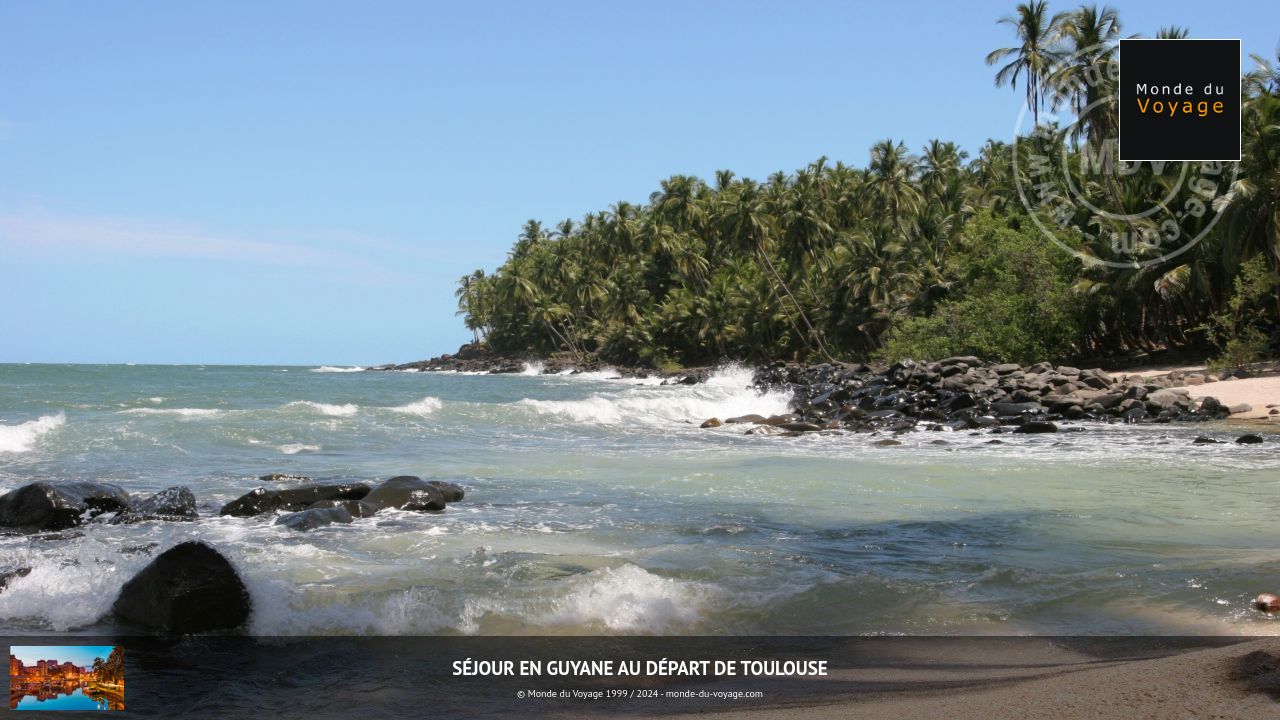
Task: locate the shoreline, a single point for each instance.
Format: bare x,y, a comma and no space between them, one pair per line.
958,393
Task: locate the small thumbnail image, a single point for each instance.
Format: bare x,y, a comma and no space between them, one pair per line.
66,677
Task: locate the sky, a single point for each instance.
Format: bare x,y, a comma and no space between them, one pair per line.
81,655
303,182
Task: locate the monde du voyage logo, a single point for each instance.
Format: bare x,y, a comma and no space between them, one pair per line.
1140,141
1179,100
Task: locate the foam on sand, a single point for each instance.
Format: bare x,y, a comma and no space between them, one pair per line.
21,437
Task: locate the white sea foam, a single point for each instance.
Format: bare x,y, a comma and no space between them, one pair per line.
326,408
21,437
629,599
332,369
295,448
728,392
533,367
156,399
181,412
423,407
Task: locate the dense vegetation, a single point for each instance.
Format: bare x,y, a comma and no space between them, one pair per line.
918,256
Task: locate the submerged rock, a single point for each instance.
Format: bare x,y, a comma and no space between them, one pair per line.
12,574
451,491
189,588
58,505
263,500
315,517
283,477
357,508
1036,427
1249,439
171,504
406,492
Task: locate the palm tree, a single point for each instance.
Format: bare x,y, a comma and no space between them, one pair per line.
1035,54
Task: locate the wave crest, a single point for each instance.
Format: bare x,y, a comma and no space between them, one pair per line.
21,437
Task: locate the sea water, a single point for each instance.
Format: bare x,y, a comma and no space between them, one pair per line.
596,505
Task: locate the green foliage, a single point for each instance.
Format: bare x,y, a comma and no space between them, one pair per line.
836,261
1016,301
1234,330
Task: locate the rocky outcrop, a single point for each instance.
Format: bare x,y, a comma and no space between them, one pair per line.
961,393
171,504
479,358
189,588
262,500
57,505
13,573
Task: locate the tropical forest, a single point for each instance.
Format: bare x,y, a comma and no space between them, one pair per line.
927,252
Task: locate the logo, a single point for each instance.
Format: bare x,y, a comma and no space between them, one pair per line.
1084,198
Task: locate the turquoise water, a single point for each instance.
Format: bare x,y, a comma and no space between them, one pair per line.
596,505
74,700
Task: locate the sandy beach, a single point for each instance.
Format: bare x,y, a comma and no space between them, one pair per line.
1051,680
1262,394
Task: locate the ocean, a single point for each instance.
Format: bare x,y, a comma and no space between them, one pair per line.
596,505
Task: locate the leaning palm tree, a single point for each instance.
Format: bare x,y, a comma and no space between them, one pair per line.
1034,56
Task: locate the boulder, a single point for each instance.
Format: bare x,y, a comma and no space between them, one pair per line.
752,418
1240,408
406,492
263,500
58,505
452,492
711,423
800,426
1250,439
887,442
173,504
1204,440
313,518
189,588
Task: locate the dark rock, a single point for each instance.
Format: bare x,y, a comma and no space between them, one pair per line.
283,477
711,423
1004,408
189,588
452,492
173,504
752,418
1250,439
315,517
263,500
57,505
11,574
887,442
800,426
1205,440
1036,426
406,492
356,508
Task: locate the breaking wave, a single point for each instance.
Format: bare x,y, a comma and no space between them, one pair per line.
332,369
423,407
326,408
21,437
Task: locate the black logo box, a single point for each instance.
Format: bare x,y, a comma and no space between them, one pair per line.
1179,63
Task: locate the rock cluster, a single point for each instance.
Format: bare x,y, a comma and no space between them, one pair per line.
962,393
344,503
44,506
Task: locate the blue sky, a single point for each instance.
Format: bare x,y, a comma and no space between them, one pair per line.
302,182
82,655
